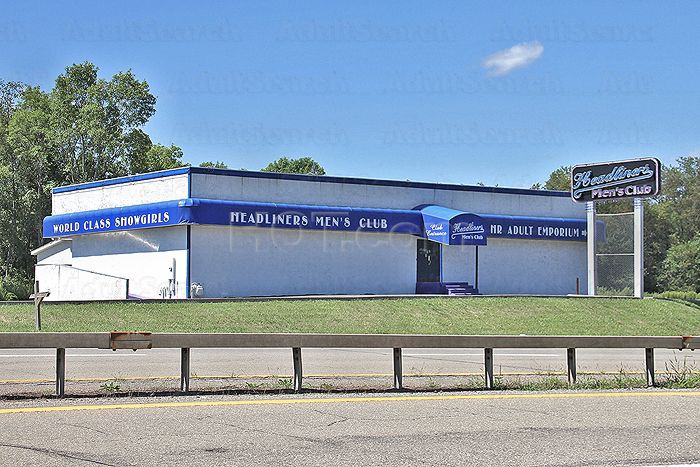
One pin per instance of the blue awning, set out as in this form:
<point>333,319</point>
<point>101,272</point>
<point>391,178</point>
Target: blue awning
<point>436,223</point>
<point>142,216</point>
<point>235,213</point>
<point>452,227</point>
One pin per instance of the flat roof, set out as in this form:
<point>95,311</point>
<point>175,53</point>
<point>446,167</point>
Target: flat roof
<point>308,178</point>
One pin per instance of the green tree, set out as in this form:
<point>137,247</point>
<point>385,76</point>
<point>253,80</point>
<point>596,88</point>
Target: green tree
<point>657,242</point>
<point>32,173</point>
<point>155,157</point>
<point>85,128</point>
<point>13,202</point>
<point>96,124</point>
<point>680,197</point>
<point>672,219</point>
<point>560,179</point>
<point>681,268</point>
<point>214,165</point>
<point>302,165</point>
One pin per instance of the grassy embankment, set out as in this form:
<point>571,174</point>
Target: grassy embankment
<point>481,315</point>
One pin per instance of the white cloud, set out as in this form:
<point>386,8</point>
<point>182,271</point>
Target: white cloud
<point>520,55</point>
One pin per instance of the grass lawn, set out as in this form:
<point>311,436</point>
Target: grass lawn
<point>480,315</point>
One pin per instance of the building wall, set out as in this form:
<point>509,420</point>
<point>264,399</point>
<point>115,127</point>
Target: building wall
<point>379,196</point>
<point>506,266</point>
<point>59,253</point>
<point>519,266</point>
<point>458,263</point>
<point>144,257</point>
<point>250,261</point>
<point>531,267</point>
<point>67,283</point>
<point>123,194</point>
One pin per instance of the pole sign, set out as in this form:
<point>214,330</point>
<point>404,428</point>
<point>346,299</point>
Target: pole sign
<point>636,178</point>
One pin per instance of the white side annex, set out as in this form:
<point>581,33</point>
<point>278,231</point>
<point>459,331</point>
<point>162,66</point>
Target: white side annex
<point>212,233</point>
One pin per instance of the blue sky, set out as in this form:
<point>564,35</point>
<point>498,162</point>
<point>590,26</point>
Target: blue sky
<point>396,90</point>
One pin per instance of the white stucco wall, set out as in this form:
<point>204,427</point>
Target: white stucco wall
<point>249,261</point>
<point>519,266</point>
<point>143,256</point>
<point>67,283</point>
<point>458,263</point>
<point>531,267</point>
<point>123,194</point>
<point>379,196</point>
<point>56,253</point>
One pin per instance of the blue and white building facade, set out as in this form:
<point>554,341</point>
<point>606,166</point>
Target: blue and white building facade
<point>213,233</point>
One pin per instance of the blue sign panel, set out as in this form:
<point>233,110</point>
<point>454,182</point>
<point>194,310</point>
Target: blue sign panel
<point>109,220</point>
<point>452,227</point>
<point>437,230</point>
<point>305,217</point>
<point>536,228</point>
<point>468,229</point>
<point>235,213</point>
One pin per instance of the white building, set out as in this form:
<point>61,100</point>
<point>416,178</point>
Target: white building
<point>196,232</point>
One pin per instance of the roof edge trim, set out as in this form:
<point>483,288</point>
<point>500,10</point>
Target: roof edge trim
<point>309,178</point>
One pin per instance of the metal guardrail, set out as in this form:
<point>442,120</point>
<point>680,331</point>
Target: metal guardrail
<point>397,342</point>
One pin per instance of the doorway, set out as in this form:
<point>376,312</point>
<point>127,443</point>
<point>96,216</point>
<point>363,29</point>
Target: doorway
<point>428,261</point>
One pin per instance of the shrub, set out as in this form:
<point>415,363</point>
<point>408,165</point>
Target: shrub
<point>681,268</point>
<point>15,287</point>
<point>678,295</point>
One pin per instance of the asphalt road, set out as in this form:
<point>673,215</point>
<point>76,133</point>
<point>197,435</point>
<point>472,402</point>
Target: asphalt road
<point>483,428</point>
<point>33,364</point>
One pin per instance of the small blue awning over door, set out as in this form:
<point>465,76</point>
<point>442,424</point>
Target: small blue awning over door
<point>452,227</point>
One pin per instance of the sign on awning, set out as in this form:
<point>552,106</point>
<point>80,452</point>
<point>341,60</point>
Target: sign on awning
<point>452,227</point>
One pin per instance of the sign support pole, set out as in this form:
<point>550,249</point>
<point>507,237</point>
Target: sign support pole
<point>638,248</point>
<point>476,267</point>
<point>590,242</point>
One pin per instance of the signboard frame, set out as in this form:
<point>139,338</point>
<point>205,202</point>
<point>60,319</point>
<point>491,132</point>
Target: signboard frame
<point>624,179</point>
<point>612,181</point>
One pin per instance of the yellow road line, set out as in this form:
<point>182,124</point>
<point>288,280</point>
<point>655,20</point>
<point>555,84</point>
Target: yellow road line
<point>329,375</point>
<point>341,400</point>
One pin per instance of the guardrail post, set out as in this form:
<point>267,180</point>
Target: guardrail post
<point>60,372</point>
<point>488,368</point>
<point>571,365</point>
<point>651,374</point>
<point>296,356</point>
<point>185,369</point>
<point>398,369</point>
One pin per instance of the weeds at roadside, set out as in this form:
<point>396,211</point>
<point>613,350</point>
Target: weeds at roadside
<point>620,380</point>
<point>110,387</point>
<point>285,383</point>
<point>432,385</point>
<point>679,374</point>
